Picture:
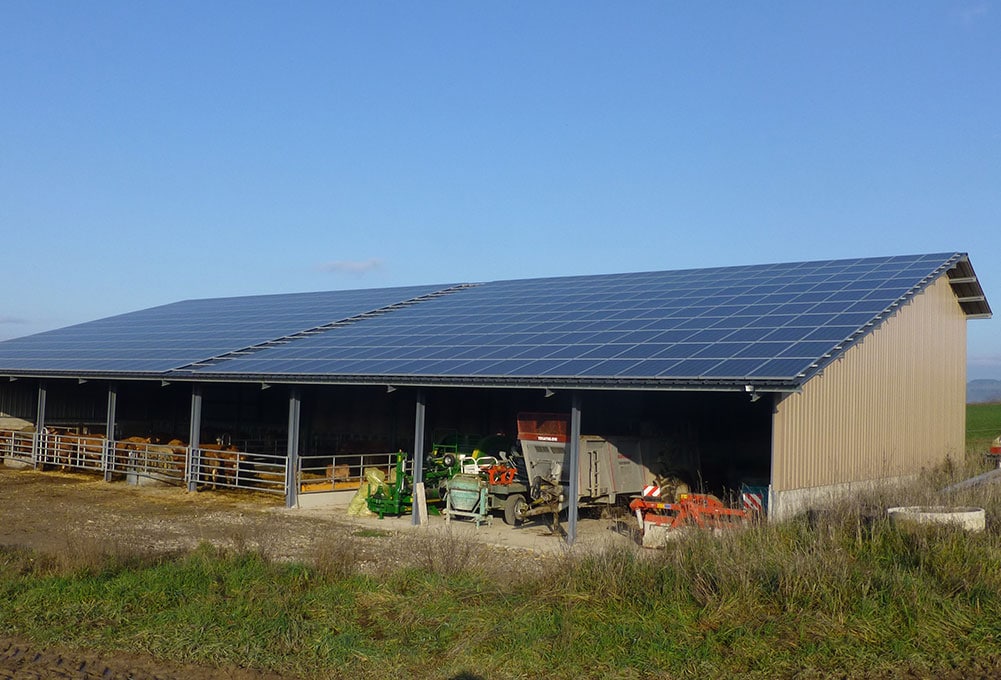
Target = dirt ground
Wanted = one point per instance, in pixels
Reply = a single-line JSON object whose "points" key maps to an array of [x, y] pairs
{"points": [[65, 513]]}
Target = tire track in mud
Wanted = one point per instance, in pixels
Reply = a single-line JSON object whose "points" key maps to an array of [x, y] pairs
{"points": [[22, 661]]}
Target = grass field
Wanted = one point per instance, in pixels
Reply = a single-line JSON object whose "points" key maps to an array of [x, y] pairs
{"points": [[840, 593], [983, 424]]}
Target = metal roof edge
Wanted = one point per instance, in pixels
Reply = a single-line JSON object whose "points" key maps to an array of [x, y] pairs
{"points": [[958, 262], [966, 286], [756, 386]]}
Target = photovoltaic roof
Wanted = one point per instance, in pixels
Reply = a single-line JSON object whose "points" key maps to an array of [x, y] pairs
{"points": [[768, 325], [161, 338]]}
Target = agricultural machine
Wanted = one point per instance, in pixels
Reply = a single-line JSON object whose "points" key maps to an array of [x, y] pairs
{"points": [[661, 520], [397, 496], [451, 454], [531, 479]]}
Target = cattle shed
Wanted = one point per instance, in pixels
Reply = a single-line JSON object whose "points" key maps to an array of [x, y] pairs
{"points": [[800, 379]]}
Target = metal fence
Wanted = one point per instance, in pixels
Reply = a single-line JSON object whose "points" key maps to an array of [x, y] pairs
{"points": [[17, 445], [342, 472], [143, 460], [215, 468], [72, 451], [136, 459]]}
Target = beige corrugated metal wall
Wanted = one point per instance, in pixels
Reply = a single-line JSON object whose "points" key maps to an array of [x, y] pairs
{"points": [[891, 405]]}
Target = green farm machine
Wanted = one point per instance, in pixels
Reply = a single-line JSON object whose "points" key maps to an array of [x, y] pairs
{"points": [[475, 477]]}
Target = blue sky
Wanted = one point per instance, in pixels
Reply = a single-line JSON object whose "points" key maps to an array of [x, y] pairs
{"points": [[158, 151]]}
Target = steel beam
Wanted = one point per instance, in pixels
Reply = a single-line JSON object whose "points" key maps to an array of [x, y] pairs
{"points": [[573, 448], [419, 417], [193, 464], [292, 460], [108, 464], [37, 441]]}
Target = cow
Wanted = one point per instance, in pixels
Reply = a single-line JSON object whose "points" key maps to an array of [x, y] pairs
{"points": [[221, 461], [340, 472]]}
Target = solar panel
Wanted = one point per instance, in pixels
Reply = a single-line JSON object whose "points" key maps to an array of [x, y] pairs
{"points": [[161, 338], [771, 322]]}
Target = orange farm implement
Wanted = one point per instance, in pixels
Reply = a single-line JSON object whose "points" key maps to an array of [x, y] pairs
{"points": [[660, 520]]}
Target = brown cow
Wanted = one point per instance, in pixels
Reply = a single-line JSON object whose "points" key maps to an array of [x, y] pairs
{"points": [[221, 461], [340, 472]]}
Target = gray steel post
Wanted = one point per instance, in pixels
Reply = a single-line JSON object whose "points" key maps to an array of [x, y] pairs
{"points": [[108, 463], [292, 462], [193, 464], [573, 448], [37, 442], [419, 417]]}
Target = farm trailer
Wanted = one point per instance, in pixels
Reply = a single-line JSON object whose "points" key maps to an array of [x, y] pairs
{"points": [[532, 479]]}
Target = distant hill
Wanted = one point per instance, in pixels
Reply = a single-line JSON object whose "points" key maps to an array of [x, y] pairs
{"points": [[978, 391]]}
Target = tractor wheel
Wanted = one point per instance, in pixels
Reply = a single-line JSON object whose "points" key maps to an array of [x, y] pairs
{"points": [[448, 460], [514, 506]]}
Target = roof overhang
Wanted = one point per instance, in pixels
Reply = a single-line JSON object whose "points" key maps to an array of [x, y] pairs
{"points": [[755, 386], [968, 290]]}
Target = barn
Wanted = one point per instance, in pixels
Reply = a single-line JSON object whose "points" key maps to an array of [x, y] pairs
{"points": [[798, 380]]}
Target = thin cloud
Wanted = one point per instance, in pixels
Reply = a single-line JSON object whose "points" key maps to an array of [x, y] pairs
{"points": [[973, 13], [354, 267], [12, 321]]}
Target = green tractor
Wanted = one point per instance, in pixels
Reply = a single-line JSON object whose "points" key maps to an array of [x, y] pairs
{"points": [[449, 454], [396, 496]]}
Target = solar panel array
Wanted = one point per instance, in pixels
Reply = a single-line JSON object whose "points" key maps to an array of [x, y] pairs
{"points": [[161, 338], [758, 324], [755, 323]]}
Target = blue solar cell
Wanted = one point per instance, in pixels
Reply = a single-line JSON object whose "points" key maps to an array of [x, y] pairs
{"points": [[772, 321], [759, 350], [574, 367], [605, 351], [733, 368], [170, 336], [571, 351], [833, 333], [780, 369], [526, 352], [693, 368], [814, 349], [711, 335], [666, 325], [787, 334], [681, 350], [749, 334], [650, 368]]}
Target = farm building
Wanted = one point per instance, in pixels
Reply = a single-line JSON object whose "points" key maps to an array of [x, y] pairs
{"points": [[797, 379]]}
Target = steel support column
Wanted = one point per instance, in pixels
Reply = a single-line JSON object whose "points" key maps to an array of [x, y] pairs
{"points": [[292, 461], [108, 463], [419, 416], [37, 442], [573, 448], [193, 464]]}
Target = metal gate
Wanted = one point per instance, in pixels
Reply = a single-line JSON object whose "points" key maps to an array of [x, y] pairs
{"points": [[341, 472], [17, 446], [135, 458], [217, 468]]}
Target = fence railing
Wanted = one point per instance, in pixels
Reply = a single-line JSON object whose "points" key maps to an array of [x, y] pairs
{"points": [[139, 459], [73, 451], [17, 445], [340, 472], [220, 469]]}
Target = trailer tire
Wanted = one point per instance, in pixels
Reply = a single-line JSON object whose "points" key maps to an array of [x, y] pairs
{"points": [[514, 506]]}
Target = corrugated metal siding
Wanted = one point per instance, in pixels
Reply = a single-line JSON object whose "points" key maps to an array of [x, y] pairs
{"points": [[890, 406]]}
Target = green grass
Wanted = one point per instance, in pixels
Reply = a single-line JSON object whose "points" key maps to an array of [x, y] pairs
{"points": [[983, 424], [838, 593]]}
